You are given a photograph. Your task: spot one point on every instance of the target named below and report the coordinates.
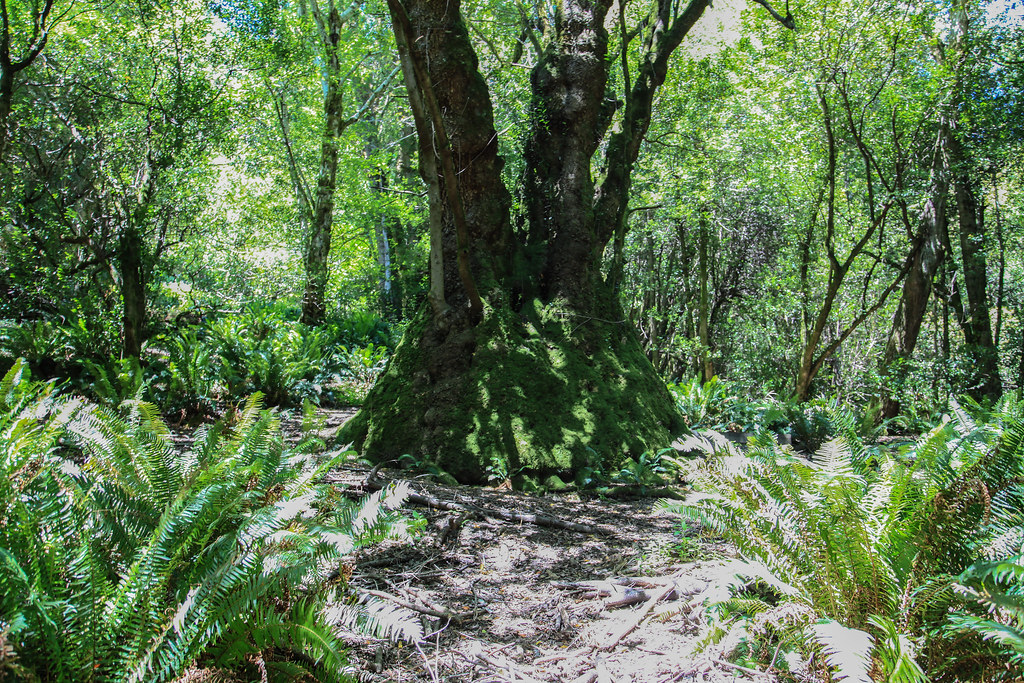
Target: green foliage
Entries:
(647, 470)
(870, 540)
(685, 547)
(120, 381)
(125, 560)
(724, 406)
(995, 606)
(52, 348)
(702, 404)
(190, 377)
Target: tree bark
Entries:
(917, 288)
(11, 64)
(928, 254)
(545, 374)
(133, 291)
(318, 244)
(974, 319)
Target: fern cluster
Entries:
(870, 542)
(121, 559)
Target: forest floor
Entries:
(532, 602)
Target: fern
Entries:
(871, 542)
(132, 562)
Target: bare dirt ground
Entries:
(528, 599)
(502, 601)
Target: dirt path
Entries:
(521, 617)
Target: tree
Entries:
(104, 171)
(963, 57)
(19, 48)
(523, 358)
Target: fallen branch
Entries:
(640, 615)
(736, 667)
(373, 483)
(630, 596)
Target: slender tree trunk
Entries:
(812, 358)
(703, 306)
(133, 292)
(6, 98)
(917, 290)
(316, 258)
(1020, 371)
(1001, 279)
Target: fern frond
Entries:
(377, 618)
(896, 654)
(847, 650)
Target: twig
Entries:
(438, 614)
(737, 667)
(559, 656)
(426, 663)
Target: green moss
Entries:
(543, 393)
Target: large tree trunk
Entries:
(917, 290)
(528, 364)
(973, 315)
(974, 319)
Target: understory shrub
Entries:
(723, 406)
(124, 559)
(862, 554)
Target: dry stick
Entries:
(439, 614)
(737, 667)
(540, 520)
(559, 656)
(638, 617)
(426, 663)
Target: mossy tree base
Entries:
(535, 391)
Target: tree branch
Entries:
(788, 21)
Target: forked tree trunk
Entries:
(543, 374)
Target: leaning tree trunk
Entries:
(917, 290)
(524, 360)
